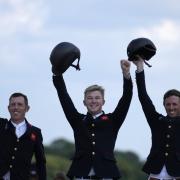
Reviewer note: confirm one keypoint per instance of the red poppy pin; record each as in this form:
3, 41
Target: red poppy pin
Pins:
33, 137
104, 118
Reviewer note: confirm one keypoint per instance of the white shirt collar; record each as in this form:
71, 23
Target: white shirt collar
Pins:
18, 125
97, 115
20, 128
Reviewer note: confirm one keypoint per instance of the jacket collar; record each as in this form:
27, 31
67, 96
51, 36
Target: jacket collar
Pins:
11, 127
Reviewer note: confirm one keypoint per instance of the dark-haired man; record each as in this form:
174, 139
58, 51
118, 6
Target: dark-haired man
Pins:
19, 141
163, 162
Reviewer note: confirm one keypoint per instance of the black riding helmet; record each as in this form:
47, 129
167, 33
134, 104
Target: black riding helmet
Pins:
63, 55
143, 47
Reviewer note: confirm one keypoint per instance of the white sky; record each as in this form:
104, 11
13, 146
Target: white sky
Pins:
102, 30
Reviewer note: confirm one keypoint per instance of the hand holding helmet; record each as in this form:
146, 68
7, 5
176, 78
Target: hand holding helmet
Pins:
141, 47
62, 56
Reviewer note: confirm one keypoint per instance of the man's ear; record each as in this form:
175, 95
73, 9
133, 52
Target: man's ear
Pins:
84, 102
104, 102
27, 108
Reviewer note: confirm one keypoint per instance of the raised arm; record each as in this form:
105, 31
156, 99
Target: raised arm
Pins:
121, 109
146, 103
68, 107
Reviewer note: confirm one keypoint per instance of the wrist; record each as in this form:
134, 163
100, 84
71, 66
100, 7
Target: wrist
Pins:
140, 68
127, 75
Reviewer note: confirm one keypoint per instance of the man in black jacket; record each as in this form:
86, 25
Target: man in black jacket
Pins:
19, 140
163, 161
95, 133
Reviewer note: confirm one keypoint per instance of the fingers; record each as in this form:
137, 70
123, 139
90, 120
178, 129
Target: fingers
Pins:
125, 66
125, 63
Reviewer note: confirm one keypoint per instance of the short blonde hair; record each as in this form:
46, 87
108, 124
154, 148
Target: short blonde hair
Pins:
94, 87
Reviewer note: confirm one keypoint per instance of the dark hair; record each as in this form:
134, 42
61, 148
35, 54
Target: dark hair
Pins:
17, 94
171, 92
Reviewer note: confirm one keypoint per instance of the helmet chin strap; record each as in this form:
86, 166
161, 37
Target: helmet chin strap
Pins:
77, 67
145, 62
143, 58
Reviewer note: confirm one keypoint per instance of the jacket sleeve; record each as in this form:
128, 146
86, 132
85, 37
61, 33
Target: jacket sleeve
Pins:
121, 109
40, 157
146, 103
3, 123
69, 109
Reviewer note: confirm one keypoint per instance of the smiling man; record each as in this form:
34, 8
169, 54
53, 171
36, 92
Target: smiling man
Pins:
95, 133
163, 162
19, 141
94, 99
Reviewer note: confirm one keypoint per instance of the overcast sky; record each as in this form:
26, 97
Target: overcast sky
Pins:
101, 29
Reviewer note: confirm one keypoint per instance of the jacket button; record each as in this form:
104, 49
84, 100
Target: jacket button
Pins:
93, 143
10, 166
13, 157
167, 145
15, 148
93, 153
93, 134
166, 154
169, 126
92, 125
17, 140
168, 136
